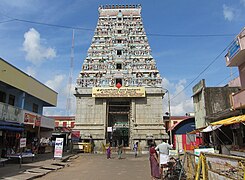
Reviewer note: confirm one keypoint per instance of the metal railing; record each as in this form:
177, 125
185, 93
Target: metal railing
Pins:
211, 166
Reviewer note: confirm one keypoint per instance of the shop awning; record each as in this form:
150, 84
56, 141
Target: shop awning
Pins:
211, 128
172, 127
196, 130
11, 126
229, 121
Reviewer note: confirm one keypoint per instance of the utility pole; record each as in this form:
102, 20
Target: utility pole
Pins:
169, 116
68, 103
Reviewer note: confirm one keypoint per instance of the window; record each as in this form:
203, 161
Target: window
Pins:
119, 81
2, 96
119, 52
119, 41
119, 66
119, 31
35, 108
11, 99
64, 124
56, 124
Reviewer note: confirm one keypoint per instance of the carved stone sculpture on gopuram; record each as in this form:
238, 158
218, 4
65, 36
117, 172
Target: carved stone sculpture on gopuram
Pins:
119, 49
119, 89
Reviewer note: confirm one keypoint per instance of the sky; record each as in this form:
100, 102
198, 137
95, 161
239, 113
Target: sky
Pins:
189, 40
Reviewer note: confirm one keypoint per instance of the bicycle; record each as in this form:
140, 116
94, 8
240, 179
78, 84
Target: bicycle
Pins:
174, 169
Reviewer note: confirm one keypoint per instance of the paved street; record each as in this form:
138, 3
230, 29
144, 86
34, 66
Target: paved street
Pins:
97, 167
41, 165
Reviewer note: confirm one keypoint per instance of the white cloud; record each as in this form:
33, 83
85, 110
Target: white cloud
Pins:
59, 84
229, 13
31, 71
36, 52
180, 102
56, 83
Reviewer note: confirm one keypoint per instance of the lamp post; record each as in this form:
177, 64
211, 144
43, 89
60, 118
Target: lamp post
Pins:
169, 115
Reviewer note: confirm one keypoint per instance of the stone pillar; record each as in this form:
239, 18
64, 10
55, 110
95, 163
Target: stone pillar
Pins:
133, 111
132, 122
105, 116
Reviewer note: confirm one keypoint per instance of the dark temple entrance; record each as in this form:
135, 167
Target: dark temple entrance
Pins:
118, 123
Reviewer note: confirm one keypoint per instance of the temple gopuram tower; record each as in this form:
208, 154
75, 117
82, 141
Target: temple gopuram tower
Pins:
118, 91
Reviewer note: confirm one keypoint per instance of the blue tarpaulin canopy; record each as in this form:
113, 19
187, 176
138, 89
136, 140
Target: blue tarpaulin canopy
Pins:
11, 126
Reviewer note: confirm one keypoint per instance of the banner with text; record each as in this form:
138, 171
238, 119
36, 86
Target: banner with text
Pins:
58, 150
98, 92
32, 119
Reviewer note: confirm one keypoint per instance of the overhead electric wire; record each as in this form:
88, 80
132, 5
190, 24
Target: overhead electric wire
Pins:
227, 78
150, 34
54, 25
46, 24
89, 29
212, 62
191, 35
6, 21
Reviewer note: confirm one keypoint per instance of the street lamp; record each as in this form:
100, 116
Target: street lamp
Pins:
169, 114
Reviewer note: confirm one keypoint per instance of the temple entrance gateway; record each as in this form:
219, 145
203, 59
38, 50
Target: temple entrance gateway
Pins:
119, 89
118, 123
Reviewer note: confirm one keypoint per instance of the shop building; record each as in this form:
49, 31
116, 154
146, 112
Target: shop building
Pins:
119, 89
220, 111
182, 140
21, 107
172, 121
63, 129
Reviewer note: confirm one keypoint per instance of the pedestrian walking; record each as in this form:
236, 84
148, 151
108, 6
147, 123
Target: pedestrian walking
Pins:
163, 149
119, 151
108, 152
154, 163
53, 144
135, 149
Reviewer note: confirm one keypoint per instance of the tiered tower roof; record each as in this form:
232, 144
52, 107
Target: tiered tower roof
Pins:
119, 52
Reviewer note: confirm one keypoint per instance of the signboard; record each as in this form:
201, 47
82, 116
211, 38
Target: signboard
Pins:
38, 122
32, 119
58, 149
47, 122
109, 129
22, 142
75, 136
98, 92
198, 152
10, 113
173, 152
121, 125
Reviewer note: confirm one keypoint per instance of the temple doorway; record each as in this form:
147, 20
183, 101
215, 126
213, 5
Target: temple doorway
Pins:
118, 123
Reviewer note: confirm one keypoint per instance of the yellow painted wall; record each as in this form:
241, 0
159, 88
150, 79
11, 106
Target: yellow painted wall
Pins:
20, 80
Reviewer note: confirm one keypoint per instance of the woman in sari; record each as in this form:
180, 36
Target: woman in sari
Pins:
154, 162
108, 152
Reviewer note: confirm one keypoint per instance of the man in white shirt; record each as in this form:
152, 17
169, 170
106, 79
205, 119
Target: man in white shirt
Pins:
163, 149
